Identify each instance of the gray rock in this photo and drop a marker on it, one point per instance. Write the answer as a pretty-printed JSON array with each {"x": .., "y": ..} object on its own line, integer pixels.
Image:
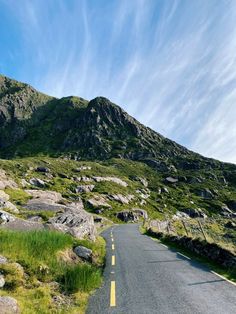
[
  {"x": 231, "y": 225},
  {"x": 141, "y": 212},
  {"x": 143, "y": 193},
  {"x": 132, "y": 215},
  {"x": 75, "y": 221},
  {"x": 194, "y": 212},
  {"x": 42, "y": 169},
  {"x": 83, "y": 252},
  {"x": 83, "y": 179},
  {"x": 84, "y": 188},
  {"x": 6, "y": 217},
  {"x": 44, "y": 200},
  {"x": 3, "y": 259},
  {"x": 37, "y": 182},
  {"x": 171, "y": 180},
  {"x": 2, "y": 282},
  {"x": 111, "y": 179},
  {"x": 9, "y": 305},
  {"x": 5, "y": 181},
  {"x": 121, "y": 198},
  {"x": 98, "y": 201},
  {"x": 82, "y": 168}
]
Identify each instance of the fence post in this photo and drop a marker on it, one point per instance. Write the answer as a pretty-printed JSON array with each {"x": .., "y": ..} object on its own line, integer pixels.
[
  {"x": 203, "y": 232},
  {"x": 185, "y": 228}
]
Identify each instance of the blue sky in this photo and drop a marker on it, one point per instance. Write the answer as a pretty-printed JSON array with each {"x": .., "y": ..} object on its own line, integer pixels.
[{"x": 169, "y": 63}]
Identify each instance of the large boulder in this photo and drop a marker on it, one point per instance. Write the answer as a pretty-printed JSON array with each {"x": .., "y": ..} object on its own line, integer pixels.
[
  {"x": 44, "y": 200},
  {"x": 132, "y": 215},
  {"x": 75, "y": 221},
  {"x": 171, "y": 180},
  {"x": 194, "y": 212},
  {"x": 9, "y": 305},
  {"x": 83, "y": 252}
]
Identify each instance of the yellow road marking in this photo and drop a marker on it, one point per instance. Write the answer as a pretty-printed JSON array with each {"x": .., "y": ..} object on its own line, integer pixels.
[
  {"x": 113, "y": 294},
  {"x": 183, "y": 255},
  {"x": 113, "y": 260},
  {"x": 112, "y": 240},
  {"x": 113, "y": 247},
  {"x": 233, "y": 283}
]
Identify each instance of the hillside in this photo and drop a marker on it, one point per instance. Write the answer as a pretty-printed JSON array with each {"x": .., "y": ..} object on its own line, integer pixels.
[{"x": 77, "y": 166}]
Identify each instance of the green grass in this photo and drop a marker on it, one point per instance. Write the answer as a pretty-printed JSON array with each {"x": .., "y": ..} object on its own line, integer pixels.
[
  {"x": 81, "y": 278},
  {"x": 17, "y": 196}
]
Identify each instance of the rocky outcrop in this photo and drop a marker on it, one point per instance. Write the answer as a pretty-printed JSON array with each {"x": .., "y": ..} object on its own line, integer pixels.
[
  {"x": 44, "y": 200},
  {"x": 6, "y": 204},
  {"x": 111, "y": 179},
  {"x": 6, "y": 182},
  {"x": 75, "y": 221},
  {"x": 171, "y": 180},
  {"x": 205, "y": 193},
  {"x": 194, "y": 212},
  {"x": 98, "y": 201},
  {"x": 132, "y": 215},
  {"x": 123, "y": 199},
  {"x": 84, "y": 188},
  {"x": 83, "y": 168},
  {"x": 9, "y": 305}
]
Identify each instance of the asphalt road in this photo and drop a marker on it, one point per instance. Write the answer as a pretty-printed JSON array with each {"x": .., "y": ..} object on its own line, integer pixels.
[{"x": 145, "y": 277}]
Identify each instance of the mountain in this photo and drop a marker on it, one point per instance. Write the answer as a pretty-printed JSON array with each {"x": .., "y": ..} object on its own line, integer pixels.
[{"x": 34, "y": 124}]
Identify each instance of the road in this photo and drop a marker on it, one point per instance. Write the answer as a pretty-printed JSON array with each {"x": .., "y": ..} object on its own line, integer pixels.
[{"x": 143, "y": 276}]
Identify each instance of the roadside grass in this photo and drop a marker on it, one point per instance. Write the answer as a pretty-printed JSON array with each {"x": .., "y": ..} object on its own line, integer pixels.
[
  {"x": 45, "y": 275},
  {"x": 226, "y": 272}
]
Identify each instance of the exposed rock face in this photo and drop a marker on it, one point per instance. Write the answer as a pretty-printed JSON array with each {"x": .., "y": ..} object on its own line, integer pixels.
[
  {"x": 9, "y": 305},
  {"x": 83, "y": 252},
  {"x": 44, "y": 200},
  {"x": 132, "y": 215},
  {"x": 74, "y": 220},
  {"x": 121, "y": 198},
  {"x": 111, "y": 179},
  {"x": 171, "y": 180},
  {"x": 84, "y": 188},
  {"x": 98, "y": 201}
]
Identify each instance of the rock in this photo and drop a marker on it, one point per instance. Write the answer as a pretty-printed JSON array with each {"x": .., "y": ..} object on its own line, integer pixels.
[
  {"x": 63, "y": 175},
  {"x": 205, "y": 193},
  {"x": 84, "y": 188},
  {"x": 231, "y": 225},
  {"x": 6, "y": 182},
  {"x": 194, "y": 212},
  {"x": 44, "y": 200},
  {"x": 83, "y": 252},
  {"x": 37, "y": 182},
  {"x": 42, "y": 169},
  {"x": 9, "y": 305},
  {"x": 163, "y": 190},
  {"x": 6, "y": 217},
  {"x": 35, "y": 218},
  {"x": 5, "y": 204},
  {"x": 156, "y": 164},
  {"x": 142, "y": 180},
  {"x": 121, "y": 198},
  {"x": 110, "y": 179},
  {"x": 74, "y": 220},
  {"x": 4, "y": 196},
  {"x": 132, "y": 215},
  {"x": 82, "y": 168},
  {"x": 171, "y": 180},
  {"x": 24, "y": 183},
  {"x": 143, "y": 193},
  {"x": 3, "y": 259},
  {"x": 82, "y": 179},
  {"x": 11, "y": 207},
  {"x": 180, "y": 215},
  {"x": 98, "y": 201},
  {"x": 194, "y": 180},
  {"x": 2, "y": 282},
  {"x": 231, "y": 204},
  {"x": 225, "y": 211},
  {"x": 141, "y": 212}
]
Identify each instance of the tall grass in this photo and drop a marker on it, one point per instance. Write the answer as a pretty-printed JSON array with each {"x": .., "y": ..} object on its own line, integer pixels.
[
  {"x": 37, "y": 252},
  {"x": 81, "y": 278}
]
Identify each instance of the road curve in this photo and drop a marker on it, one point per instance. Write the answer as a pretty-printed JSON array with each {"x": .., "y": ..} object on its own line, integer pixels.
[{"x": 144, "y": 277}]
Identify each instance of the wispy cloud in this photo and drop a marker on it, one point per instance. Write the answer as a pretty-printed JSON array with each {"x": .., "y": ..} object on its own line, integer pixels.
[{"x": 171, "y": 63}]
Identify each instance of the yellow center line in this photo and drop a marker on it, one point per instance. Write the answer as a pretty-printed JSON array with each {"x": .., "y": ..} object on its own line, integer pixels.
[
  {"x": 113, "y": 260},
  {"x": 113, "y": 247},
  {"x": 113, "y": 294},
  {"x": 112, "y": 240}
]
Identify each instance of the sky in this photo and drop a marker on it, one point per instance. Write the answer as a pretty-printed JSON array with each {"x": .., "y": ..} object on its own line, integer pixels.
[{"x": 169, "y": 63}]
